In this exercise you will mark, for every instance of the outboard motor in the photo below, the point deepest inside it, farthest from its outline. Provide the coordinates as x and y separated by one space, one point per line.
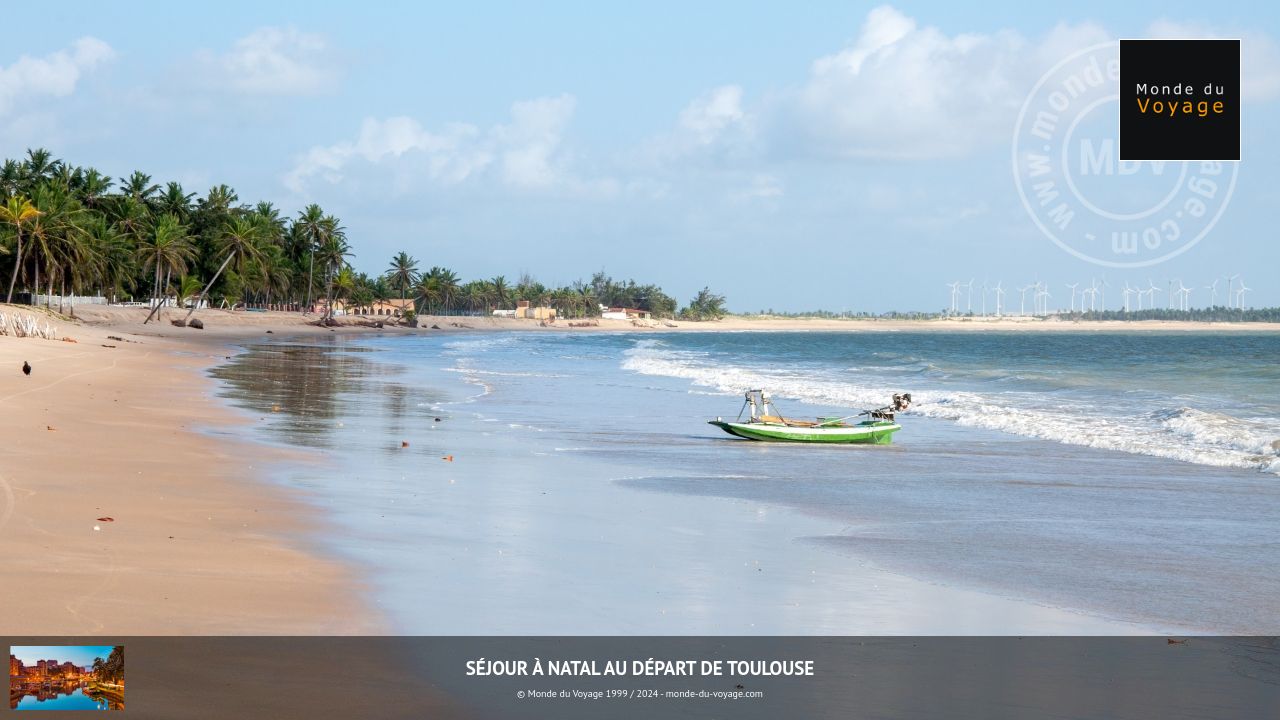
901 402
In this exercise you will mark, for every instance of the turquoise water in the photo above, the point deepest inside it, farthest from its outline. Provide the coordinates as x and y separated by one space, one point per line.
74 700
1126 477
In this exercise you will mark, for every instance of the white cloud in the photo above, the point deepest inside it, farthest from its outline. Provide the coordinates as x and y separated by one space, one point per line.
708 116
525 153
1259 57
529 143
903 90
274 61
54 75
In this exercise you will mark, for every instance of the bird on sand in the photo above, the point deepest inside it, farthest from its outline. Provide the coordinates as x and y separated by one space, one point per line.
26 368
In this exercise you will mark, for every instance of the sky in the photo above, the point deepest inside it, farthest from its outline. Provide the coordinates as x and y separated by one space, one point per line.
842 156
81 655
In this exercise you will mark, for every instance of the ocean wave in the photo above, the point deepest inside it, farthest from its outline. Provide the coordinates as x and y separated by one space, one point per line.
499 373
1181 433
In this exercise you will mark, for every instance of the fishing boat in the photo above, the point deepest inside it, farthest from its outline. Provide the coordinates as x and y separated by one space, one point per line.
765 422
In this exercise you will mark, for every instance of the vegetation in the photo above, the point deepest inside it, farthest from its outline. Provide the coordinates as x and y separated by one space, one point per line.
73 230
68 230
110 670
706 306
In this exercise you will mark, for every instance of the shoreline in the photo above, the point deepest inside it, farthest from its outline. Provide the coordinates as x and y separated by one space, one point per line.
244 323
124 512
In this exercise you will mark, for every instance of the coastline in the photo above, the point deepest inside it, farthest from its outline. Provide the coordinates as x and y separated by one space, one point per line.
117 425
202 542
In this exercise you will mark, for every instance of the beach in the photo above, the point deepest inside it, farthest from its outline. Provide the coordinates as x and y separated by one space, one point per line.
269 476
126 510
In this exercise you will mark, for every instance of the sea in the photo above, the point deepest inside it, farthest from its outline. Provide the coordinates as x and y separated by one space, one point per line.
568 482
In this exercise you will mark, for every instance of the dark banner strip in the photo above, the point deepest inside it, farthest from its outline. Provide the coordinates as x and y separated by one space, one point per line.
650 677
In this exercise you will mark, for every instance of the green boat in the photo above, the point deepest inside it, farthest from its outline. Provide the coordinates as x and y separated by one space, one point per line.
765 423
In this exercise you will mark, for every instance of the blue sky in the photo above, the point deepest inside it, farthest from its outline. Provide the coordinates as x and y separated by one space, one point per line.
723 144
82 655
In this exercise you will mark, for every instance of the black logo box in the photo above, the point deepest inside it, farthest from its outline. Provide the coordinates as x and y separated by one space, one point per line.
1205 73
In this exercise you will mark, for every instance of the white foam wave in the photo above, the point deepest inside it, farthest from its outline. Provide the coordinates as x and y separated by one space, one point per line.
1181 433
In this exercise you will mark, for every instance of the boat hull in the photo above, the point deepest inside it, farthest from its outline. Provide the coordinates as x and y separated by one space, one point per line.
878 434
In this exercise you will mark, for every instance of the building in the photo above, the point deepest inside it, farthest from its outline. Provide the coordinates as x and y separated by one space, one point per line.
15 667
624 313
525 310
388 308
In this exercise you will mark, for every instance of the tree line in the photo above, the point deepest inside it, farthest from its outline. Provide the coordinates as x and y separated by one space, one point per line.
70 230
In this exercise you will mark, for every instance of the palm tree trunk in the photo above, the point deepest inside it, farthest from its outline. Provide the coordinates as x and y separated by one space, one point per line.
17 263
311 269
204 292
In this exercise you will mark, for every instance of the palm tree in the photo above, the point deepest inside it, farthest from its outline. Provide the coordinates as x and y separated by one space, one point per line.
115 255
239 243
501 292
38 167
175 201
92 188
139 187
168 249
55 235
427 292
17 211
188 286
311 222
449 286
403 273
332 256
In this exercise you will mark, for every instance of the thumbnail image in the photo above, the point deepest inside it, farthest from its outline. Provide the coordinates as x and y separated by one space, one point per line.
66 677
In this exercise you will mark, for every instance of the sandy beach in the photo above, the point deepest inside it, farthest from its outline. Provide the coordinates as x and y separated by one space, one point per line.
120 516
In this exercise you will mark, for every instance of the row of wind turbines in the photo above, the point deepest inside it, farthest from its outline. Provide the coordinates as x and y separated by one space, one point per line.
1093 297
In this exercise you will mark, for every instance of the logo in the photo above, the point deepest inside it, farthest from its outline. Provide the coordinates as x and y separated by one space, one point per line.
1083 197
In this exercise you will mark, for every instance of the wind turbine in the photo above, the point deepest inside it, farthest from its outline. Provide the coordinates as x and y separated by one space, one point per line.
1151 294
1022 303
999 298
1240 294
984 297
1128 292
1042 294
1213 290
1073 287
955 291
1103 290
1184 296
1230 280
969 305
